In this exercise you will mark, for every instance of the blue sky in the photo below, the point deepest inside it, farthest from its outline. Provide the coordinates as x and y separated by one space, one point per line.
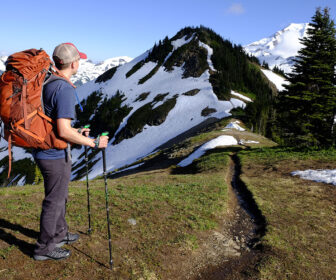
109 28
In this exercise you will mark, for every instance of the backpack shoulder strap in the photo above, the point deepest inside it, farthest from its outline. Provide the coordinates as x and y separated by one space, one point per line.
55 75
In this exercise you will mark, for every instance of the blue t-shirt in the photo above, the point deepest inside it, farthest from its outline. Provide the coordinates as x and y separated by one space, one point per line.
59 99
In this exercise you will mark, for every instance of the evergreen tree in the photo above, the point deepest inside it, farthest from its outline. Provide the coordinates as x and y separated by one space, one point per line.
265 65
308 105
279 71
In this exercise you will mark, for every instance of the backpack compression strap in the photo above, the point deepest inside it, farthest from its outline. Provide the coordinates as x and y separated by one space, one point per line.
23 103
9 154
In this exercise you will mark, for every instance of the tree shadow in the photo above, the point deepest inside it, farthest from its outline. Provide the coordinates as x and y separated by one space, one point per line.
25 247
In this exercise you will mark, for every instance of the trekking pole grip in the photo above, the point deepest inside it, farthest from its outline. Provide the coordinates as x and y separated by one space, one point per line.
98 139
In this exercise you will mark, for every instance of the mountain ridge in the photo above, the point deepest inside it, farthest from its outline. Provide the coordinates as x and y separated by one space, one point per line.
154 92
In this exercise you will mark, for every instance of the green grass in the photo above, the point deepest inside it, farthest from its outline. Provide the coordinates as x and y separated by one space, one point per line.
174 209
171 211
275 155
5 251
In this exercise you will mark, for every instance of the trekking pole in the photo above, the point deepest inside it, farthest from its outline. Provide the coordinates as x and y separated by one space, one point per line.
87 185
107 206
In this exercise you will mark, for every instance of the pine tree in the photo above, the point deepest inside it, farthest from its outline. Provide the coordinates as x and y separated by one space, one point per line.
308 105
265 65
279 71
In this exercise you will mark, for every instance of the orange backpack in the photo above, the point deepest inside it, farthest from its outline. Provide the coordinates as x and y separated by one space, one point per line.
21 103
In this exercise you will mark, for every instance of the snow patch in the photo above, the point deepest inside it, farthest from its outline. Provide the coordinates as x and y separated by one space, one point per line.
237 103
223 140
277 80
177 44
235 125
180 42
22 181
128 168
327 176
241 96
210 52
242 142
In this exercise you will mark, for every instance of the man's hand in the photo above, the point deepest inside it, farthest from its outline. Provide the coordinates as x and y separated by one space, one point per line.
71 135
85 131
103 141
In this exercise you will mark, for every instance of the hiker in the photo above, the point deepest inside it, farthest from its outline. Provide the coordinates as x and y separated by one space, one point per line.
59 97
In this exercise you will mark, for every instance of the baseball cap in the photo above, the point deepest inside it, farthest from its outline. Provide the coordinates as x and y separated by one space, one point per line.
67 53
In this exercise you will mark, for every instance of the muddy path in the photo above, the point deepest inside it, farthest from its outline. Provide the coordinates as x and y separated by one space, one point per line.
239 236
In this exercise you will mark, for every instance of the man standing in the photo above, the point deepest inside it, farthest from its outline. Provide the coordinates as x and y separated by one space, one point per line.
59 103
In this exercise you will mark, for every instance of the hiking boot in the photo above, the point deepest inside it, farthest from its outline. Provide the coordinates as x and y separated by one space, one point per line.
68 239
56 254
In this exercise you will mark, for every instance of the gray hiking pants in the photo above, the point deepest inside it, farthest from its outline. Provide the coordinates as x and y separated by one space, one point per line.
53 227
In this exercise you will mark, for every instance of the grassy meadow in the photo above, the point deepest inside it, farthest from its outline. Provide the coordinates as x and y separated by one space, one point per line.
162 218
172 212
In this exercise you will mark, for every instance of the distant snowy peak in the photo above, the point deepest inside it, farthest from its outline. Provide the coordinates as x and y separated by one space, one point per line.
2 63
281 47
89 71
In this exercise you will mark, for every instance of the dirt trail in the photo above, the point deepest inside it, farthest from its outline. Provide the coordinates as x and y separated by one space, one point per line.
239 236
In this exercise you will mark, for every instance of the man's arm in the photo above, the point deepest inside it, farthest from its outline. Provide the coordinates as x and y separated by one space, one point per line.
71 135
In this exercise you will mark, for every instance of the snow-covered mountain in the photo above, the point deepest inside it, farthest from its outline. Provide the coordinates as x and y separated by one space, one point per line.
89 70
280 48
168 90
144 85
